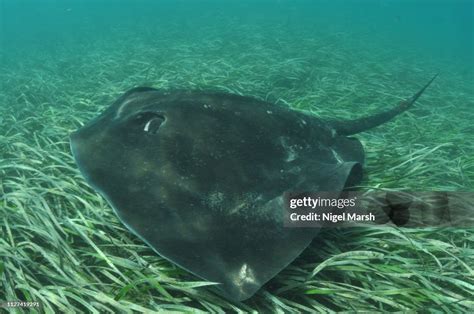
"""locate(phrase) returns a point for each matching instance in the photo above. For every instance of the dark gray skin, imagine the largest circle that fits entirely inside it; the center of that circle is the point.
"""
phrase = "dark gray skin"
(200, 176)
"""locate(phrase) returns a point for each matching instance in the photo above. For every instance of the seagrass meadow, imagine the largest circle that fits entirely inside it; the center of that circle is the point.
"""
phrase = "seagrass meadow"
(61, 244)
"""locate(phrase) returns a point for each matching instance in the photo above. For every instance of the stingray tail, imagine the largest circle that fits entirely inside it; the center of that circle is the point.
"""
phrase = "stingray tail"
(346, 127)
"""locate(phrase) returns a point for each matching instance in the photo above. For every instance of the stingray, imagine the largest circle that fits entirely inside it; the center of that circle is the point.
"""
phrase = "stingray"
(201, 176)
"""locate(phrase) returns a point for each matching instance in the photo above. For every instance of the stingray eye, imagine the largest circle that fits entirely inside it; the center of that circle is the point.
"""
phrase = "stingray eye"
(154, 124)
(149, 121)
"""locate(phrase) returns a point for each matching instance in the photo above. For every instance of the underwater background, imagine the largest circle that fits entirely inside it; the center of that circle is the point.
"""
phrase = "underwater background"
(63, 62)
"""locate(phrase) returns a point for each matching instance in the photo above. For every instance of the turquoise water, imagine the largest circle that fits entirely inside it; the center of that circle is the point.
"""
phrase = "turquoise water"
(441, 29)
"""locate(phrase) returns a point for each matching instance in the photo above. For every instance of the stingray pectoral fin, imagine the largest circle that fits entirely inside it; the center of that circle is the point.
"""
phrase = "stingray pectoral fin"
(349, 127)
(348, 149)
(343, 176)
(325, 177)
